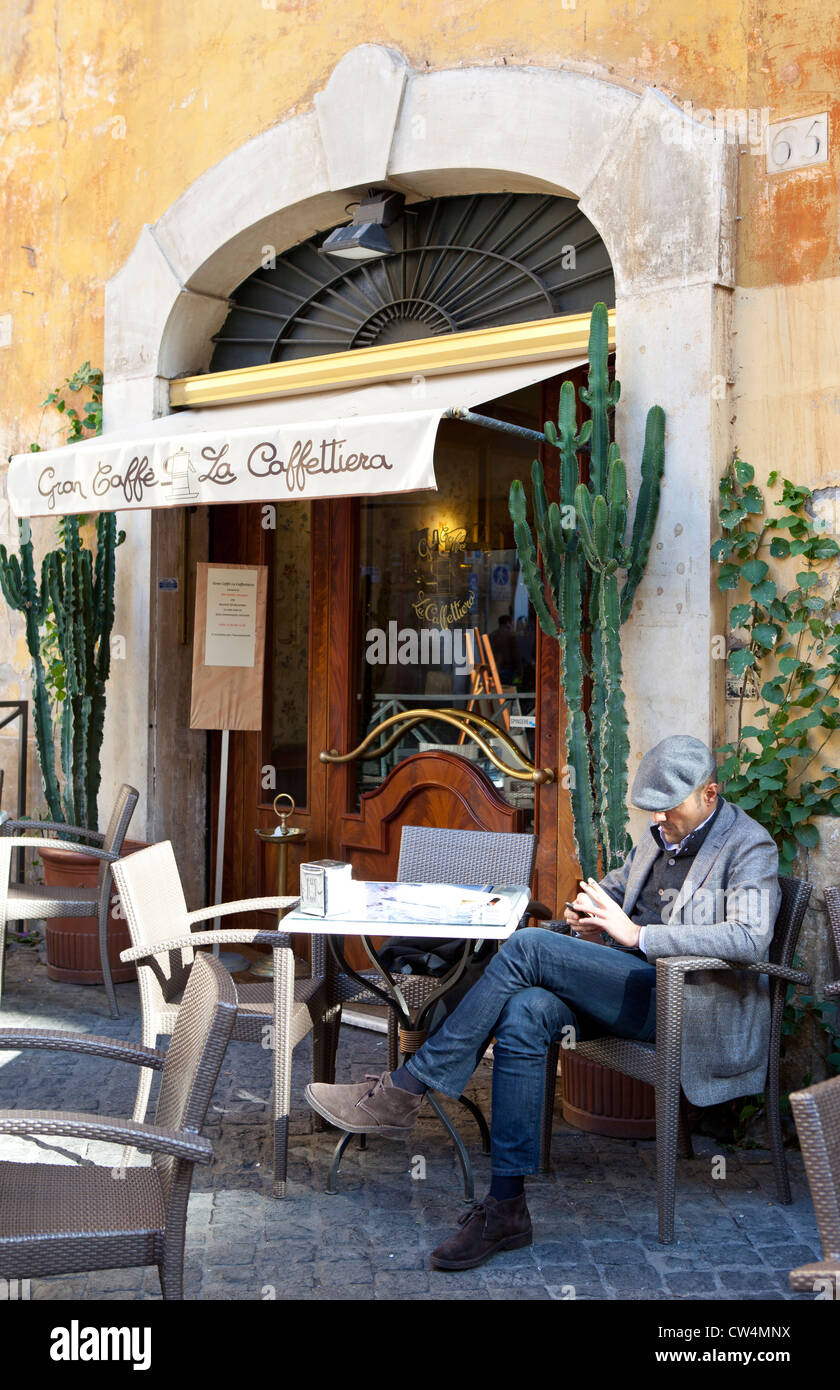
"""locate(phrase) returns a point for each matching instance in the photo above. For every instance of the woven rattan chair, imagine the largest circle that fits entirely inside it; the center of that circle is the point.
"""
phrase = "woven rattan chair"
(659, 1063)
(63, 1219)
(832, 903)
(817, 1115)
(27, 902)
(275, 1013)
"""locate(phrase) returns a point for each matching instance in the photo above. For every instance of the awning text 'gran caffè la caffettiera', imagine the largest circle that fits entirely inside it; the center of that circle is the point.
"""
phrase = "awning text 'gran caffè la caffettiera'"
(373, 439)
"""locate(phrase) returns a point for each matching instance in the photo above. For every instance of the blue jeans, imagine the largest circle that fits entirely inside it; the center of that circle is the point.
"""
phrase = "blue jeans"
(539, 983)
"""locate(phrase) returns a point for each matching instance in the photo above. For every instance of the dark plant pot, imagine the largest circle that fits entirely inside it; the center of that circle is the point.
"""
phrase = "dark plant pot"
(73, 942)
(605, 1102)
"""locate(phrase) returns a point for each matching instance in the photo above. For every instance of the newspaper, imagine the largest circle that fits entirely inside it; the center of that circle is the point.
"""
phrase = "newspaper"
(424, 904)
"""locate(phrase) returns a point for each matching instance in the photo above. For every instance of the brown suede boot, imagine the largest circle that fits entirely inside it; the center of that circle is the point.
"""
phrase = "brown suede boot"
(488, 1227)
(372, 1106)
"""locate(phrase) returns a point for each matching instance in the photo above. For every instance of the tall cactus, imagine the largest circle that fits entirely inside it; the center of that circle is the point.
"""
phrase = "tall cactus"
(582, 549)
(602, 520)
(80, 594)
(21, 592)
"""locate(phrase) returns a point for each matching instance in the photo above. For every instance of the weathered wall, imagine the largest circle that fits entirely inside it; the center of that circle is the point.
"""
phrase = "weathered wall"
(107, 117)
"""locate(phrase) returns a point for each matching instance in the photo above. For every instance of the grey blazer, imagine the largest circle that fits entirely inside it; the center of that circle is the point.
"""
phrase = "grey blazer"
(727, 908)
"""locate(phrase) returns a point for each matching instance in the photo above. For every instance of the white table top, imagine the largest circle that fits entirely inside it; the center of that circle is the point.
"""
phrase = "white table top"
(423, 910)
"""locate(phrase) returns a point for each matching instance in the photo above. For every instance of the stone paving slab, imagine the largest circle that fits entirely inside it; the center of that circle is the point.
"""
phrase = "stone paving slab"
(594, 1215)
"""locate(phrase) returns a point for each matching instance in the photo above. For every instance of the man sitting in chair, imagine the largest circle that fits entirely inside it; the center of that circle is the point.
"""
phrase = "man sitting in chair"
(704, 882)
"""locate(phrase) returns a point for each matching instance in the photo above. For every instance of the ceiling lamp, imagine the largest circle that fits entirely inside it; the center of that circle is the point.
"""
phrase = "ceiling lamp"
(364, 238)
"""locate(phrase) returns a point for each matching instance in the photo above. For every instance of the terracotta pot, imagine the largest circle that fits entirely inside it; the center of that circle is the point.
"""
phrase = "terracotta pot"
(605, 1102)
(73, 942)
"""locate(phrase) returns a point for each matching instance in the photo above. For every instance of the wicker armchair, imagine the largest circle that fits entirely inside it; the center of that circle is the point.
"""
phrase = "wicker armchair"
(832, 902)
(63, 1219)
(276, 1013)
(27, 902)
(817, 1114)
(659, 1063)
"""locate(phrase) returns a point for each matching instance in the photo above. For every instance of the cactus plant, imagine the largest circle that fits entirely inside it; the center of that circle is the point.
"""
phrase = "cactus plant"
(79, 590)
(68, 622)
(573, 583)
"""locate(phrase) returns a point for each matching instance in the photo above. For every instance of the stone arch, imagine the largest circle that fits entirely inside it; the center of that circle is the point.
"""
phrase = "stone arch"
(654, 184)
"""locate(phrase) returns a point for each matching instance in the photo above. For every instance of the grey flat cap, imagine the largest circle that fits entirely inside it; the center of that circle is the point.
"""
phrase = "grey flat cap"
(672, 771)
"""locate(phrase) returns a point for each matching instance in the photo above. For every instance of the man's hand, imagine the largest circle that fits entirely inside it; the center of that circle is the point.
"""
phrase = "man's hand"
(606, 915)
(577, 925)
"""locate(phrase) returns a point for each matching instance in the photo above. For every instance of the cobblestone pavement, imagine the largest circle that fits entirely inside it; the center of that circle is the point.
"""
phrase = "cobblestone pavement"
(594, 1217)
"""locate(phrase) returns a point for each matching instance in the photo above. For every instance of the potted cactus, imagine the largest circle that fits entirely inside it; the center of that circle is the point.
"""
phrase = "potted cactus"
(68, 619)
(575, 583)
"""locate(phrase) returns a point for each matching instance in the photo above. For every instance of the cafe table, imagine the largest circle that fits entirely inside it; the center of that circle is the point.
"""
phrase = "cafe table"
(417, 911)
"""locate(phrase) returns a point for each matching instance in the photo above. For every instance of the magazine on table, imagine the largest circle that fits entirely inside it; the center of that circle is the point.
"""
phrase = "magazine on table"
(420, 904)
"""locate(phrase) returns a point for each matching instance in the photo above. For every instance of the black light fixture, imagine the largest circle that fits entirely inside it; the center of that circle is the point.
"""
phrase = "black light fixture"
(364, 238)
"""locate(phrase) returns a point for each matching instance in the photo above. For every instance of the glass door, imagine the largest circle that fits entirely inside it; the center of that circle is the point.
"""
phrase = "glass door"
(444, 618)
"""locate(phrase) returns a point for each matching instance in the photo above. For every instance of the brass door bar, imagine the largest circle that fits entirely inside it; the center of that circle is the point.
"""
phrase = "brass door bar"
(465, 722)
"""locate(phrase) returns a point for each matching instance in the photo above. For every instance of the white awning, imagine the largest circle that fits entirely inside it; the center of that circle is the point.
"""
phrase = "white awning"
(369, 440)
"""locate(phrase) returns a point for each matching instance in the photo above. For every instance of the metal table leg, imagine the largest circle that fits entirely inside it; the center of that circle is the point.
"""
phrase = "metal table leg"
(411, 1020)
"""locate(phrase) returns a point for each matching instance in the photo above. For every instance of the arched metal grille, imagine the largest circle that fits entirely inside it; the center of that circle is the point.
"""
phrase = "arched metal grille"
(468, 262)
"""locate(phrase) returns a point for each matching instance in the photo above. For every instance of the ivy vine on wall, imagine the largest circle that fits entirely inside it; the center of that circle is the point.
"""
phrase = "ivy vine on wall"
(785, 653)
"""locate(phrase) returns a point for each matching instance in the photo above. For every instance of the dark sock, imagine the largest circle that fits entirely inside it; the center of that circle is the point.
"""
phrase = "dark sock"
(406, 1082)
(501, 1188)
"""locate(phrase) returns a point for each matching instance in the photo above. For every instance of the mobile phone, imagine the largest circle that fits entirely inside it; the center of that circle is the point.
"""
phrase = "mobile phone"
(574, 909)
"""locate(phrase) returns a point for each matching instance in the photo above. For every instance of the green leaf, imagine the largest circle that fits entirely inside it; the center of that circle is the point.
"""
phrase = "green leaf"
(744, 472)
(740, 614)
(729, 577)
(772, 692)
(807, 835)
(722, 548)
(806, 579)
(739, 660)
(754, 571)
(763, 593)
(753, 501)
(801, 726)
(779, 547)
(772, 767)
(765, 634)
(731, 516)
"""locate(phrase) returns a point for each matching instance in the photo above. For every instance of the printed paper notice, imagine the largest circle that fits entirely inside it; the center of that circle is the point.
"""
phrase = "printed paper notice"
(231, 631)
